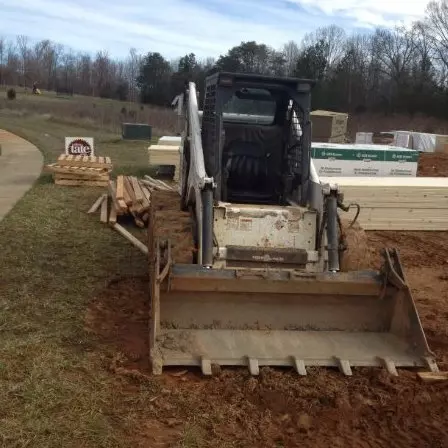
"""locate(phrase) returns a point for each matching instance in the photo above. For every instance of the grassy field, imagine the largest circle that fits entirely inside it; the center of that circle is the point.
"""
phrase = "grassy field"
(88, 112)
(48, 136)
(56, 389)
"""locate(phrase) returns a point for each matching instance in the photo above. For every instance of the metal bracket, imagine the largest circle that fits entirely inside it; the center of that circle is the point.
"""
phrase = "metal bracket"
(166, 269)
(392, 276)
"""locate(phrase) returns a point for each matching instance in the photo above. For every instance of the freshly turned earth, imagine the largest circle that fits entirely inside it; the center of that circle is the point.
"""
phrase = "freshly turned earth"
(280, 409)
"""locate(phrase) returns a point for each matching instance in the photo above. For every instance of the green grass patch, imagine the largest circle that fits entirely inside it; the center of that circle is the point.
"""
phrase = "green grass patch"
(55, 387)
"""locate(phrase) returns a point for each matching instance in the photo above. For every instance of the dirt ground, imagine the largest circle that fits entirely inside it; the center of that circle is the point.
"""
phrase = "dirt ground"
(280, 409)
(433, 165)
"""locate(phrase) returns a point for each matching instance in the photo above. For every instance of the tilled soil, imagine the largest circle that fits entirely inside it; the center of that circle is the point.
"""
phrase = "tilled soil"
(433, 165)
(279, 408)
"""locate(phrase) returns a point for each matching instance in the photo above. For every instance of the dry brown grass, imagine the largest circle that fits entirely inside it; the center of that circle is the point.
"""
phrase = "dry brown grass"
(95, 113)
(130, 157)
(55, 386)
(54, 389)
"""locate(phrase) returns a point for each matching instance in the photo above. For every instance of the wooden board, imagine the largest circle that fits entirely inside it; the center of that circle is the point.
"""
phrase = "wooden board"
(122, 204)
(113, 214)
(432, 182)
(163, 155)
(128, 192)
(90, 161)
(397, 203)
(81, 177)
(167, 140)
(120, 187)
(164, 159)
(55, 168)
(433, 377)
(104, 210)
(113, 196)
(81, 183)
(137, 190)
(136, 202)
(146, 192)
(167, 148)
(97, 204)
(137, 243)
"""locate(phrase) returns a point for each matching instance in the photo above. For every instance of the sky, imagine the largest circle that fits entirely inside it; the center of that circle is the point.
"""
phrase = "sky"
(204, 27)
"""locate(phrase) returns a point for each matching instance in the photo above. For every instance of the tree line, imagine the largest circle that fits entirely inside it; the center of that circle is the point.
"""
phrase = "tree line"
(389, 70)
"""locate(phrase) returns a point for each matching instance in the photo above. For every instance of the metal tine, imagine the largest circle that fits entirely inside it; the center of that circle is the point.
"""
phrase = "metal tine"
(432, 365)
(344, 366)
(299, 365)
(390, 366)
(206, 366)
(254, 367)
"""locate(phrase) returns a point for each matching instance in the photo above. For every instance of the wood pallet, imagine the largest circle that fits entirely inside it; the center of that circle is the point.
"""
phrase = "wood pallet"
(397, 203)
(81, 170)
(85, 161)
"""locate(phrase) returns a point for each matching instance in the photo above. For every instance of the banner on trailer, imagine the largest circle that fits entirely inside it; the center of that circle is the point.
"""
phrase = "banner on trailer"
(79, 146)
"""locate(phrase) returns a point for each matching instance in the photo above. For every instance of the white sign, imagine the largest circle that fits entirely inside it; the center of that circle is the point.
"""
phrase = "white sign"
(79, 146)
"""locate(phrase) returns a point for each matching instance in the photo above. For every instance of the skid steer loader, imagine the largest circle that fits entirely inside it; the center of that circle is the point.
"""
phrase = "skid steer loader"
(248, 274)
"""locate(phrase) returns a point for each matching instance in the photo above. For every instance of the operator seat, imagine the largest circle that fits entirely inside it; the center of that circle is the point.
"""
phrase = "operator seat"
(252, 163)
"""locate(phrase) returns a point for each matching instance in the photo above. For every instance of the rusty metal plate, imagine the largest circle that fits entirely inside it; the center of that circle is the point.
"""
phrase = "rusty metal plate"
(267, 255)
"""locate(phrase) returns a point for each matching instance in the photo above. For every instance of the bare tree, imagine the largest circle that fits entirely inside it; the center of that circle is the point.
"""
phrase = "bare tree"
(102, 73)
(291, 54)
(354, 68)
(49, 64)
(2, 58)
(68, 69)
(435, 26)
(12, 64)
(85, 74)
(403, 69)
(334, 39)
(22, 43)
(394, 50)
(132, 70)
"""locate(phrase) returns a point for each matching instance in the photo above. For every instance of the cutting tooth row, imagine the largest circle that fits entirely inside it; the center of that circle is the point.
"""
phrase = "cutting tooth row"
(300, 366)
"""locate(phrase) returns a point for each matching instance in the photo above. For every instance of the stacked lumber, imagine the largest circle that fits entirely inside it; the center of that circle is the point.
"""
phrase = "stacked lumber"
(103, 203)
(81, 170)
(131, 197)
(165, 155)
(329, 127)
(167, 140)
(397, 203)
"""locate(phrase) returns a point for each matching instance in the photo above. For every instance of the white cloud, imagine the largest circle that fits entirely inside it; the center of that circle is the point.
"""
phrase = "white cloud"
(206, 27)
(171, 26)
(369, 12)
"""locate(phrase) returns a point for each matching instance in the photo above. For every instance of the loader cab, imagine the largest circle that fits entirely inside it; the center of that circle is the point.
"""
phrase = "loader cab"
(256, 137)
